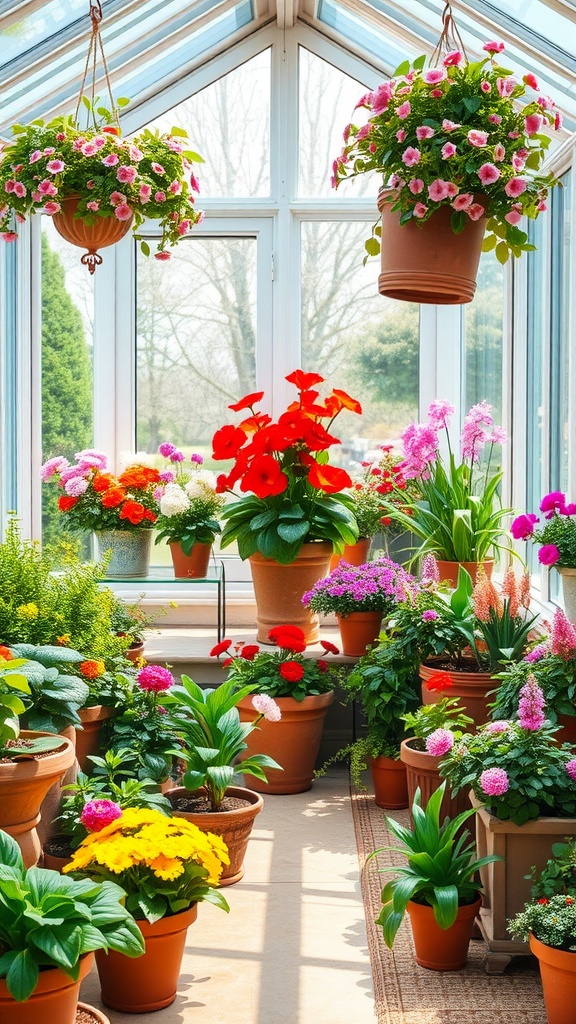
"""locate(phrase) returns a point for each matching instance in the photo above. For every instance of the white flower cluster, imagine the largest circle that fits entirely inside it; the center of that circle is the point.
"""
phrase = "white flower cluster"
(174, 501)
(202, 484)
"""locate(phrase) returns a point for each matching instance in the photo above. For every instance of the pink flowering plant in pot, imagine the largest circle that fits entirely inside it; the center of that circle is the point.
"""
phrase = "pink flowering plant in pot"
(142, 725)
(377, 586)
(146, 177)
(556, 535)
(188, 500)
(515, 766)
(455, 136)
(457, 514)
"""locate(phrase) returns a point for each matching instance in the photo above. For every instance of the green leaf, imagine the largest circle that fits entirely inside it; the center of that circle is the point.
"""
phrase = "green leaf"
(122, 101)
(144, 248)
(502, 253)
(22, 976)
(372, 246)
(489, 243)
(402, 69)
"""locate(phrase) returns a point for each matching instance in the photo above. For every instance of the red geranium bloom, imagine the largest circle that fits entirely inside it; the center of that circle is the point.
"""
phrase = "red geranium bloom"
(220, 648)
(346, 401)
(149, 515)
(304, 381)
(328, 478)
(292, 671)
(102, 481)
(248, 401)
(133, 511)
(227, 662)
(113, 497)
(65, 502)
(249, 651)
(264, 478)
(322, 665)
(439, 681)
(317, 438)
(294, 631)
(329, 647)
(6, 653)
(290, 643)
(227, 442)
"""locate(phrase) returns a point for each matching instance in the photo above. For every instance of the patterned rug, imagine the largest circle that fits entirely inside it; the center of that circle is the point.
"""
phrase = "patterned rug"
(408, 994)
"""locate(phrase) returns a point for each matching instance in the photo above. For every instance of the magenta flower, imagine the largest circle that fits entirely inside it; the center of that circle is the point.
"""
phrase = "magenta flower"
(499, 152)
(176, 456)
(500, 725)
(453, 59)
(439, 742)
(411, 156)
(438, 413)
(434, 76)
(154, 678)
(553, 502)
(571, 768)
(537, 653)
(98, 814)
(523, 526)
(53, 466)
(494, 782)
(548, 554)
(89, 149)
(515, 187)
(562, 636)
(530, 706)
(196, 458)
(404, 110)
(429, 572)
(166, 449)
(267, 707)
(533, 123)
(424, 132)
(429, 615)
(492, 47)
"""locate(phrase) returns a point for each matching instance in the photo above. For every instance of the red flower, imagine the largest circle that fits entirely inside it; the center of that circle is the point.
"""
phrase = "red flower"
(543, 901)
(256, 422)
(220, 648)
(322, 665)
(149, 515)
(316, 437)
(329, 479)
(247, 402)
(138, 478)
(227, 442)
(6, 653)
(113, 497)
(290, 643)
(292, 671)
(227, 662)
(329, 647)
(102, 481)
(304, 381)
(440, 681)
(569, 901)
(294, 631)
(133, 511)
(249, 651)
(385, 520)
(346, 402)
(65, 502)
(264, 478)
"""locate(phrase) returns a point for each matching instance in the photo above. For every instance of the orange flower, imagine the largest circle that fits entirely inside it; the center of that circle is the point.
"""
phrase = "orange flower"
(66, 502)
(102, 481)
(114, 497)
(138, 478)
(329, 479)
(5, 653)
(92, 669)
(63, 640)
(133, 511)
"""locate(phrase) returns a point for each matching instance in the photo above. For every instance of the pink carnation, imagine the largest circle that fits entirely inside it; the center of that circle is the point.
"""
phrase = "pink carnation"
(439, 742)
(123, 212)
(154, 678)
(98, 814)
(266, 706)
(494, 782)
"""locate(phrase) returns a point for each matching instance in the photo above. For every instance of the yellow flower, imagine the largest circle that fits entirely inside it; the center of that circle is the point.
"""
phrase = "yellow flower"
(166, 867)
(63, 640)
(27, 611)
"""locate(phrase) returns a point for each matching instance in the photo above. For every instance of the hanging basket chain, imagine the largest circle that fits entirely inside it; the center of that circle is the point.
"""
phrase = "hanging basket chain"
(450, 37)
(95, 49)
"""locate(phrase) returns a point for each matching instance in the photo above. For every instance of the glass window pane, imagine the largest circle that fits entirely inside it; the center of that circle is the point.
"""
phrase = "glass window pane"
(359, 341)
(67, 383)
(484, 337)
(229, 125)
(327, 101)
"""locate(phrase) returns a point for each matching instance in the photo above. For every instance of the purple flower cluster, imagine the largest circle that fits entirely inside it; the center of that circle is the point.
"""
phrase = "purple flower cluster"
(374, 586)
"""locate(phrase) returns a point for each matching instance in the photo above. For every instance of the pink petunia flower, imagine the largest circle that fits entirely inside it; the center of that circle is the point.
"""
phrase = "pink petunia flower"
(89, 149)
(9, 236)
(434, 76)
(452, 189)
(494, 118)
(488, 173)
(35, 156)
(546, 102)
(123, 212)
(436, 94)
(533, 123)
(493, 47)
(135, 154)
(404, 110)
(55, 166)
(49, 150)
(416, 186)
(401, 134)
(94, 205)
(438, 190)
(145, 192)
(47, 188)
(116, 198)
(476, 138)
(160, 197)
(453, 59)
(514, 217)
(126, 174)
(463, 201)
(506, 86)
(485, 86)
(515, 187)
(175, 188)
(449, 126)
(195, 184)
(424, 132)
(523, 526)
(411, 156)
(448, 150)
(20, 190)
(111, 160)
(531, 80)
(548, 554)
(476, 211)
(158, 169)
(51, 208)
(420, 210)
(499, 152)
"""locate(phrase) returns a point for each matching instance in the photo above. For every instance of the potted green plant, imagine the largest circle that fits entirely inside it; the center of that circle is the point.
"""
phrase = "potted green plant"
(189, 506)
(141, 724)
(97, 185)
(211, 741)
(41, 968)
(434, 728)
(303, 689)
(438, 886)
(292, 513)
(458, 157)
(557, 537)
(166, 866)
(360, 595)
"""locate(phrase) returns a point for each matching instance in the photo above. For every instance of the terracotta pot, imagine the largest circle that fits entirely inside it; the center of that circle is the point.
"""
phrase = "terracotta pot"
(193, 566)
(390, 783)
(293, 742)
(358, 631)
(23, 787)
(105, 231)
(135, 652)
(88, 737)
(426, 261)
(568, 577)
(52, 802)
(53, 1001)
(97, 1015)
(449, 570)
(567, 731)
(354, 554)
(558, 973)
(233, 826)
(279, 590)
(130, 552)
(505, 883)
(146, 983)
(422, 773)
(471, 688)
(441, 949)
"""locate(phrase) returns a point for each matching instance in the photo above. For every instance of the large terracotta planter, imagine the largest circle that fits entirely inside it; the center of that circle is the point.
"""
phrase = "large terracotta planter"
(105, 231)
(358, 631)
(449, 570)
(193, 566)
(88, 737)
(354, 554)
(148, 982)
(279, 590)
(441, 949)
(568, 577)
(293, 742)
(53, 1001)
(130, 552)
(23, 787)
(471, 688)
(422, 772)
(390, 783)
(426, 261)
(506, 887)
(234, 826)
(558, 973)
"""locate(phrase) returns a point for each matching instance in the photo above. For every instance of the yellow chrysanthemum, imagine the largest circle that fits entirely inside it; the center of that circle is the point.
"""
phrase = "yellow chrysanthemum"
(27, 611)
(167, 868)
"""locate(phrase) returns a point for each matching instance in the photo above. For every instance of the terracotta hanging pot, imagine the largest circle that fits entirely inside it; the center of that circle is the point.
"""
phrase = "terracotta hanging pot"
(354, 554)
(558, 973)
(293, 742)
(279, 590)
(193, 566)
(471, 688)
(390, 783)
(358, 631)
(449, 570)
(88, 737)
(149, 982)
(105, 231)
(424, 261)
(234, 825)
(23, 786)
(53, 1001)
(442, 949)
(422, 772)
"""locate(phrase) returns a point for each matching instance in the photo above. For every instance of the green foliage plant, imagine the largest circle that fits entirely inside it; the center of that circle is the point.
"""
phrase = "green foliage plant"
(558, 876)
(141, 726)
(551, 920)
(212, 737)
(440, 870)
(50, 921)
(447, 713)
(17, 701)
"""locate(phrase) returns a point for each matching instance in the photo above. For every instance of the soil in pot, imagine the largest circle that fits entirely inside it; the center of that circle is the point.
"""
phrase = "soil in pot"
(90, 1015)
(56, 852)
